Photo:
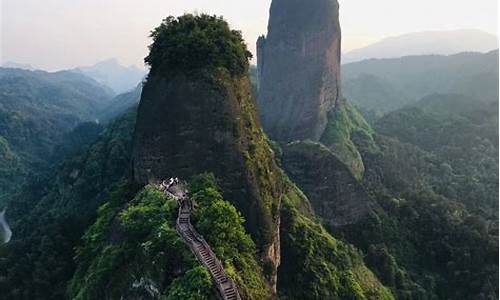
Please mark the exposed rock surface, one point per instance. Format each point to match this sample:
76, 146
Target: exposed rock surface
299, 68
190, 124
335, 194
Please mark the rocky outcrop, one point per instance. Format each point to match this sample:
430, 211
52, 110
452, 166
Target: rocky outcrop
299, 68
197, 115
335, 194
190, 124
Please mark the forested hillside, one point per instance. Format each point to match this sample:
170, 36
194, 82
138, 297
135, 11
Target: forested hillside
378, 86
461, 137
281, 181
51, 214
425, 209
37, 110
95, 228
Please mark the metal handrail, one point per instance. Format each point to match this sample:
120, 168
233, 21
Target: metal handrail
219, 268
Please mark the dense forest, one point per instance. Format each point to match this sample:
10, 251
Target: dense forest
393, 195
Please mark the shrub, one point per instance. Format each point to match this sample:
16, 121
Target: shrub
194, 42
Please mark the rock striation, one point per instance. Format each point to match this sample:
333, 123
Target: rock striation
335, 194
190, 125
205, 120
299, 68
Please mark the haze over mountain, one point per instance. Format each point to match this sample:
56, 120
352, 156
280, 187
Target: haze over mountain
310, 202
383, 85
427, 42
14, 65
37, 109
111, 73
121, 104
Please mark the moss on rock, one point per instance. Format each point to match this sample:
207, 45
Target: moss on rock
322, 267
204, 120
346, 128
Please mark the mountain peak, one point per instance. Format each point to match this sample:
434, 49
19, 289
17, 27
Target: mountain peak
299, 68
195, 118
425, 43
116, 76
108, 62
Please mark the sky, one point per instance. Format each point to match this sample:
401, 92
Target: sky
61, 34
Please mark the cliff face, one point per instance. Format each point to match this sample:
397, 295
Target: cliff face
335, 194
206, 122
299, 68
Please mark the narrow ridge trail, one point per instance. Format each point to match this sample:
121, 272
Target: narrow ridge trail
225, 285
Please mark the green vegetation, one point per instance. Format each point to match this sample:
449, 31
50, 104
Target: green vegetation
461, 143
11, 170
203, 65
136, 251
196, 284
425, 247
52, 212
440, 197
384, 85
441, 156
409, 208
37, 110
433, 193
322, 267
373, 95
345, 127
222, 226
133, 248
195, 42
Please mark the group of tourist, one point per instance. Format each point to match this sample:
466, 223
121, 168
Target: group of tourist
168, 187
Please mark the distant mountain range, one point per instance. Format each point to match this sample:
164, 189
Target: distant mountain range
428, 42
384, 85
109, 72
14, 65
37, 110
121, 104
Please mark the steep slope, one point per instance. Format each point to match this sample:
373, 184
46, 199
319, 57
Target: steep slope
299, 80
335, 194
164, 266
201, 118
11, 170
406, 213
121, 104
299, 68
322, 267
52, 212
345, 128
36, 110
421, 245
423, 43
402, 205
131, 251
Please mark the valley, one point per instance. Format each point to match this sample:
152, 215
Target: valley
305, 178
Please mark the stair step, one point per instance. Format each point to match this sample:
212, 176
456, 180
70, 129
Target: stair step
203, 251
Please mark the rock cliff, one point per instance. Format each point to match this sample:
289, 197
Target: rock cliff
335, 194
204, 120
299, 68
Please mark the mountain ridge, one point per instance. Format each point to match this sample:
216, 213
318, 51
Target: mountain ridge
425, 43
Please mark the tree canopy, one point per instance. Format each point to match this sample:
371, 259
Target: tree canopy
194, 42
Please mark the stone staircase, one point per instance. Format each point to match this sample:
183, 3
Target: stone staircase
225, 285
